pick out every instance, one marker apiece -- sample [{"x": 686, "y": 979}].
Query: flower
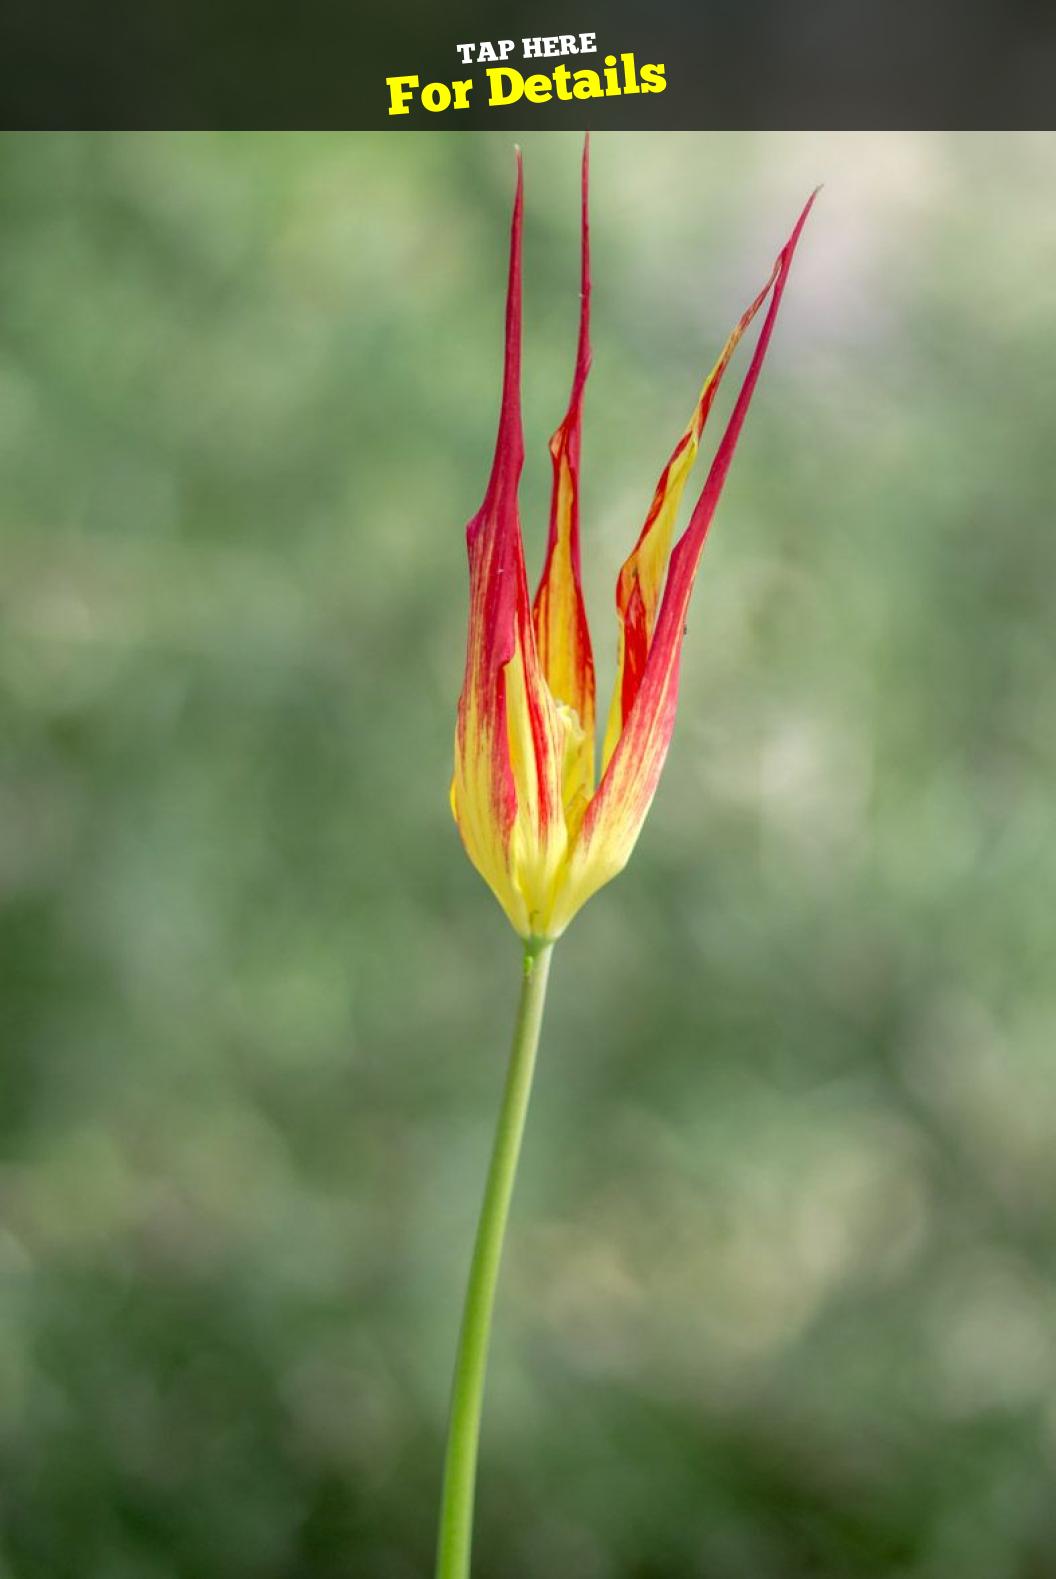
[{"x": 542, "y": 833}]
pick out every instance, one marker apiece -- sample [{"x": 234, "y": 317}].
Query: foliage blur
[{"x": 779, "y": 1298}]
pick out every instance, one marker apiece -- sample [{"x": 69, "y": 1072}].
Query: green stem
[{"x": 467, "y": 1393}]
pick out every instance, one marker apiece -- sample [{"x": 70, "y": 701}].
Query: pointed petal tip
[{"x": 801, "y": 221}]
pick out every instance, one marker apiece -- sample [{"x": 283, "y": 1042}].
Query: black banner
[{"x": 752, "y": 64}]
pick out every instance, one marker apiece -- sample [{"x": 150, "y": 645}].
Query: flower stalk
[
  {"x": 543, "y": 826},
  {"x": 467, "y": 1392}
]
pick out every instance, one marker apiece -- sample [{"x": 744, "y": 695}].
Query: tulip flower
[
  {"x": 541, "y": 832},
  {"x": 542, "y": 828}
]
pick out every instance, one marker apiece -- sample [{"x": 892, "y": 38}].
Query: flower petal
[
  {"x": 559, "y": 613},
  {"x": 615, "y": 816},
  {"x": 642, "y": 573},
  {"x": 509, "y": 739}
]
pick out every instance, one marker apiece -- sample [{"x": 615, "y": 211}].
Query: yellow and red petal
[
  {"x": 641, "y": 576},
  {"x": 615, "y": 815},
  {"x": 510, "y": 738},
  {"x": 559, "y": 614}
]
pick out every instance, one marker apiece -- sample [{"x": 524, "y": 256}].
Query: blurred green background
[{"x": 779, "y": 1298}]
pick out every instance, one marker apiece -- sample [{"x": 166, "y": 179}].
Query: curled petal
[
  {"x": 560, "y": 617},
  {"x": 642, "y": 574},
  {"x": 618, "y": 809}
]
